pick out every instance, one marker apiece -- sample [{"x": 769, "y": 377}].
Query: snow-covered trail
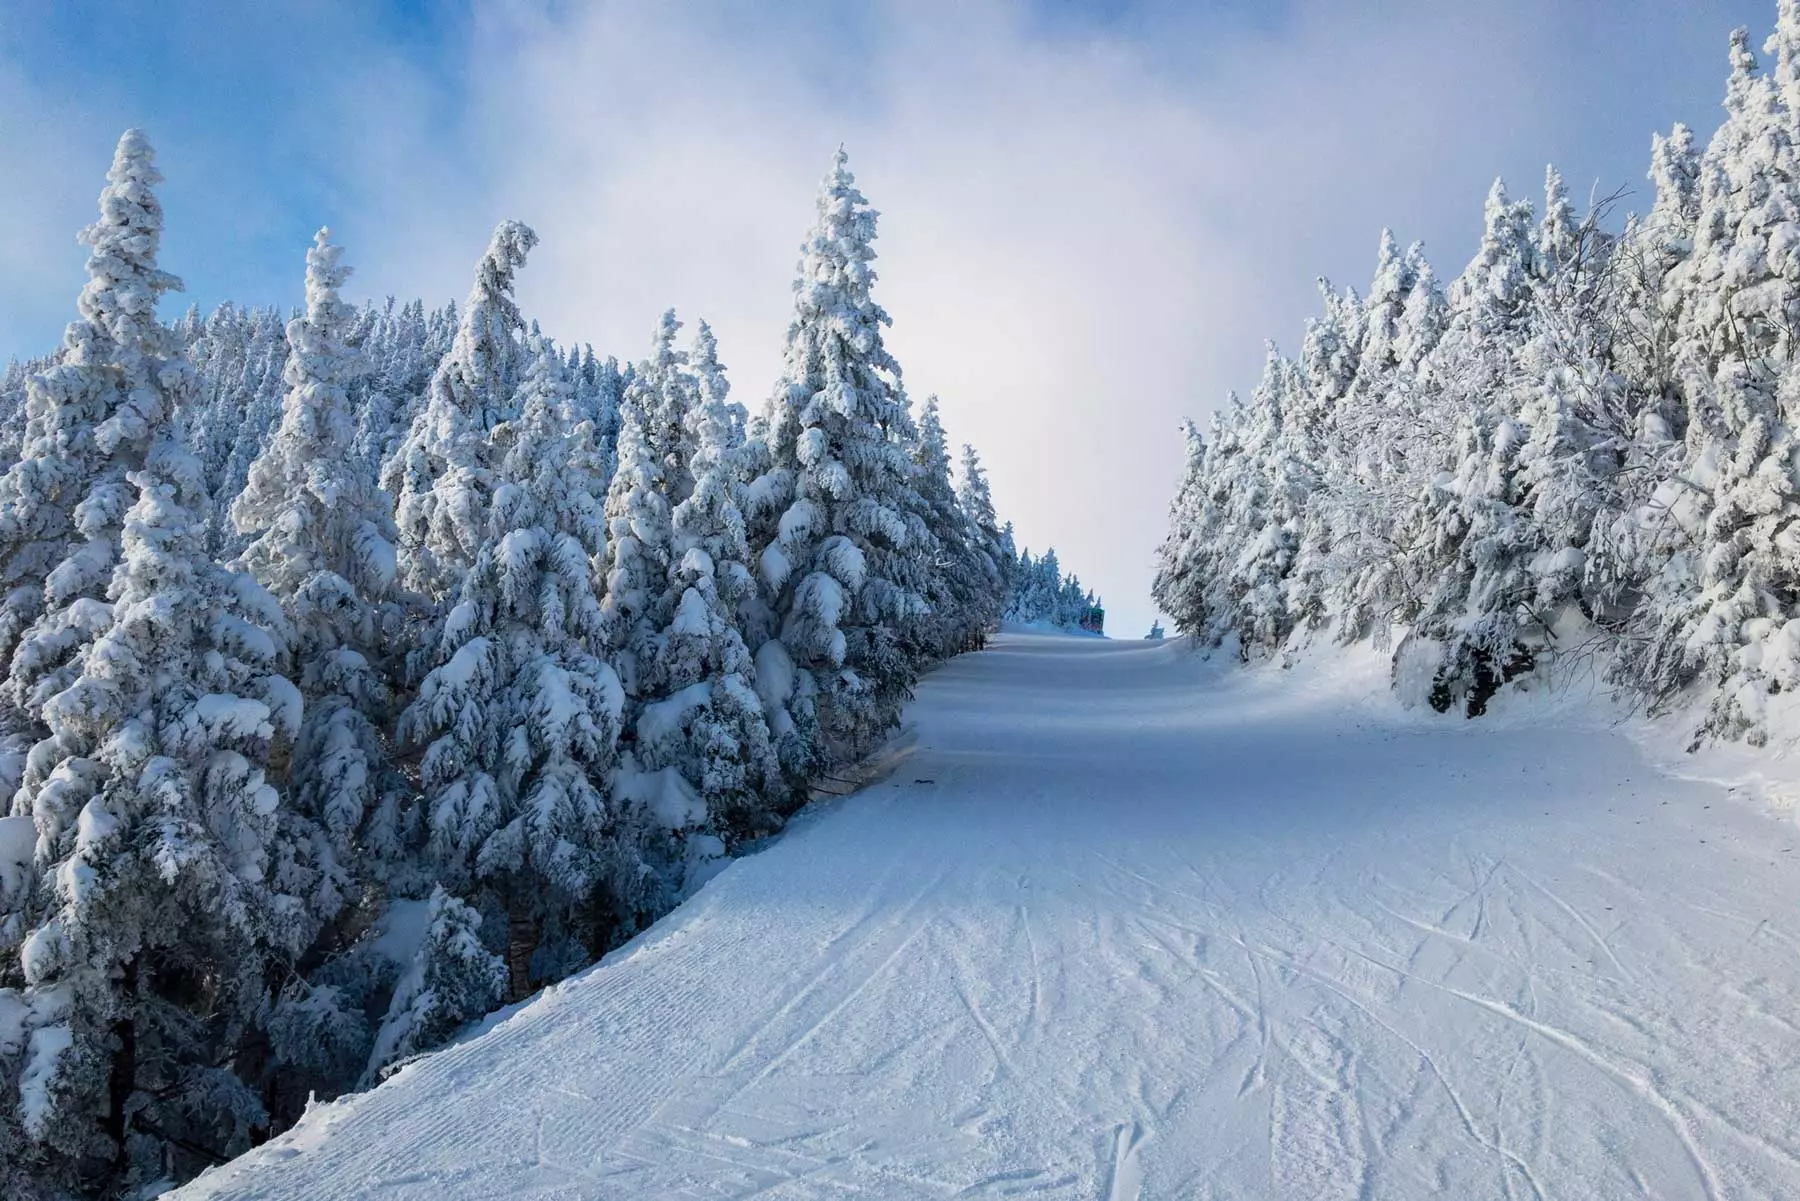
[{"x": 1124, "y": 926}]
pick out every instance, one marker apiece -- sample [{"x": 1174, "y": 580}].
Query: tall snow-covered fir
[
  {"x": 374, "y": 665},
  {"x": 838, "y": 542},
  {"x": 441, "y": 475},
  {"x": 90, "y": 420}
]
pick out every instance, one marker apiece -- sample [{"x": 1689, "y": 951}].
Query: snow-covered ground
[{"x": 1122, "y": 924}]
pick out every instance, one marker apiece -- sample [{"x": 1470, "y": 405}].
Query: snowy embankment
[{"x": 1124, "y": 923}]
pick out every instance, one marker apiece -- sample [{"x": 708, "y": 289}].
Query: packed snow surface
[{"x": 1125, "y": 924}]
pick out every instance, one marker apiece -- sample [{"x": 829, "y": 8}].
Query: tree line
[
  {"x": 372, "y": 668},
  {"x": 1581, "y": 453}
]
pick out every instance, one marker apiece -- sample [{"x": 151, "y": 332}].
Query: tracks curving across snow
[{"x": 1127, "y": 926}]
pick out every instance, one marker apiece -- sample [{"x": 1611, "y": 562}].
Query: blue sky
[{"x": 1094, "y": 213}]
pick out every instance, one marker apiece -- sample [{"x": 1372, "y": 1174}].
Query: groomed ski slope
[{"x": 1123, "y": 924}]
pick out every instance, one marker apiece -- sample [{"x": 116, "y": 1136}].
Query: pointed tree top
[
  {"x": 1196, "y": 445},
  {"x": 506, "y": 252},
  {"x": 124, "y": 282},
  {"x": 842, "y": 208},
  {"x": 662, "y": 342},
  {"x": 706, "y": 347},
  {"x": 325, "y": 274},
  {"x": 1743, "y": 59},
  {"x": 704, "y": 359},
  {"x": 1784, "y": 44}
]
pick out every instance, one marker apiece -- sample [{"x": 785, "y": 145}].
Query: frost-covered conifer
[
  {"x": 90, "y": 422},
  {"x": 959, "y": 580},
  {"x": 452, "y": 980},
  {"x": 1591, "y": 444},
  {"x": 833, "y": 529},
  {"x": 665, "y": 393},
  {"x": 441, "y": 477},
  {"x": 322, "y": 541},
  {"x": 519, "y": 717},
  {"x": 989, "y": 546},
  {"x": 640, "y": 529},
  {"x": 248, "y": 421},
  {"x": 701, "y": 727},
  {"x": 169, "y": 874}
]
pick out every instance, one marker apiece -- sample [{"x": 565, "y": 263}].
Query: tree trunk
[
  {"x": 521, "y": 941},
  {"x": 122, "y": 1081}
]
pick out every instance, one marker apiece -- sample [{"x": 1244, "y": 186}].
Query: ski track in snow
[{"x": 1126, "y": 925}]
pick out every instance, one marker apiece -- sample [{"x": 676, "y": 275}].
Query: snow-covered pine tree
[
  {"x": 664, "y": 391},
  {"x": 519, "y": 718},
  {"x": 1473, "y": 570},
  {"x": 640, "y": 529},
  {"x": 13, "y": 404},
  {"x": 452, "y": 980},
  {"x": 1314, "y": 439},
  {"x": 248, "y": 421},
  {"x": 832, "y": 516},
  {"x": 1379, "y": 432},
  {"x": 167, "y": 876},
  {"x": 701, "y": 730},
  {"x": 1719, "y": 607},
  {"x": 1596, "y": 430},
  {"x": 441, "y": 477},
  {"x": 990, "y": 545},
  {"x": 90, "y": 421},
  {"x": 321, "y": 539},
  {"x": 208, "y": 424},
  {"x": 1185, "y": 561},
  {"x": 1268, "y": 506},
  {"x": 956, "y": 579}
]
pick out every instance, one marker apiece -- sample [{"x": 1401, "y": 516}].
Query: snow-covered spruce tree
[
  {"x": 207, "y": 425},
  {"x": 1382, "y": 433},
  {"x": 1313, "y": 439},
  {"x": 90, "y": 421},
  {"x": 12, "y": 406},
  {"x": 248, "y": 420},
  {"x": 959, "y": 578},
  {"x": 1723, "y": 589},
  {"x": 452, "y": 980},
  {"x": 1592, "y": 443},
  {"x": 990, "y": 547},
  {"x": 701, "y": 730},
  {"x": 1266, "y": 508},
  {"x": 1472, "y": 566},
  {"x": 702, "y": 767},
  {"x": 1186, "y": 561},
  {"x": 665, "y": 393},
  {"x": 519, "y": 718},
  {"x": 407, "y": 345},
  {"x": 441, "y": 477},
  {"x": 640, "y": 530},
  {"x": 1037, "y": 583},
  {"x": 1634, "y": 545},
  {"x": 599, "y": 388},
  {"x": 322, "y": 541},
  {"x": 169, "y": 882},
  {"x": 832, "y": 520},
  {"x": 1041, "y": 595}
]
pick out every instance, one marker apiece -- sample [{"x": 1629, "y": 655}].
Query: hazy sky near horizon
[{"x": 1093, "y": 213}]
